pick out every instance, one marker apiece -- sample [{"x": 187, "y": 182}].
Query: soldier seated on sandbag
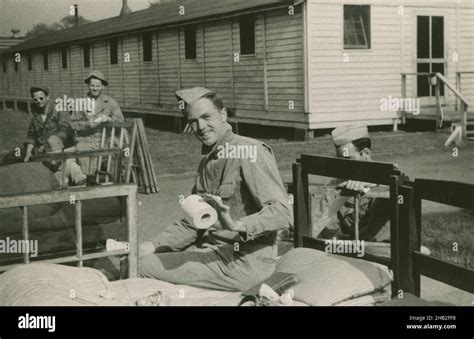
[
  {"x": 351, "y": 142},
  {"x": 240, "y": 249}
]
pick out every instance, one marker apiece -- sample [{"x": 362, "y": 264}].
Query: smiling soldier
[
  {"x": 86, "y": 125},
  {"x": 47, "y": 131},
  {"x": 240, "y": 250}
]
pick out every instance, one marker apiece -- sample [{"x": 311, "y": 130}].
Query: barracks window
[
  {"x": 247, "y": 34},
  {"x": 64, "y": 57},
  {"x": 4, "y": 65},
  {"x": 190, "y": 42},
  {"x": 86, "y": 54},
  {"x": 45, "y": 60},
  {"x": 356, "y": 27},
  {"x": 113, "y": 44},
  {"x": 30, "y": 62},
  {"x": 147, "y": 46}
]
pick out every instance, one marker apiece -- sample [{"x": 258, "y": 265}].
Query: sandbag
[
  {"x": 57, "y": 285},
  {"x": 24, "y": 178}
]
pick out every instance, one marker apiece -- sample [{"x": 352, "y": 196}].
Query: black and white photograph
[{"x": 214, "y": 154}]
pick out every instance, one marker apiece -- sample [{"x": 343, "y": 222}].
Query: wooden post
[
  {"x": 26, "y": 238},
  {"x": 407, "y": 241},
  {"x": 132, "y": 234},
  {"x": 300, "y": 206},
  {"x": 78, "y": 225},
  {"x": 265, "y": 75},
  {"x": 404, "y": 94},
  {"x": 439, "y": 109},
  {"x": 394, "y": 228},
  {"x": 458, "y": 87},
  {"x": 464, "y": 122},
  {"x": 356, "y": 216}
]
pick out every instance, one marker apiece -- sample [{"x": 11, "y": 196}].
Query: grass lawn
[{"x": 176, "y": 154}]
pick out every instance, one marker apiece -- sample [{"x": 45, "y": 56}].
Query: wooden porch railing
[{"x": 436, "y": 79}]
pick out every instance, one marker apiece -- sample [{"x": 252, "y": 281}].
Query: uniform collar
[
  {"x": 208, "y": 151},
  {"x": 102, "y": 97},
  {"x": 47, "y": 110}
]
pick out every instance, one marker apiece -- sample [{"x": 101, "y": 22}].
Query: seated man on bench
[
  {"x": 333, "y": 214},
  {"x": 240, "y": 250}
]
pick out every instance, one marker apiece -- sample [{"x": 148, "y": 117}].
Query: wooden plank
[
  {"x": 132, "y": 152},
  {"x": 150, "y": 160},
  {"x": 446, "y": 272},
  {"x": 302, "y": 225},
  {"x": 78, "y": 225},
  {"x": 374, "y": 172},
  {"x": 141, "y": 161},
  {"x": 446, "y": 192},
  {"x": 77, "y": 154},
  {"x": 320, "y": 245},
  {"x": 24, "y": 213},
  {"x": 83, "y": 193},
  {"x": 73, "y": 258},
  {"x": 132, "y": 224}
]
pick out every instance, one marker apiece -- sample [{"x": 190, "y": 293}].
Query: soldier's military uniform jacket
[
  {"x": 104, "y": 105},
  {"x": 253, "y": 190},
  {"x": 56, "y": 123},
  {"x": 374, "y": 216}
]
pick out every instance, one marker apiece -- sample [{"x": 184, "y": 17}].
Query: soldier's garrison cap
[
  {"x": 191, "y": 95},
  {"x": 345, "y": 134}
]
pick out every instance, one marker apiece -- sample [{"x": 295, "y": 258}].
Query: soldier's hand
[
  {"x": 357, "y": 186},
  {"x": 223, "y": 211},
  {"x": 146, "y": 248}
]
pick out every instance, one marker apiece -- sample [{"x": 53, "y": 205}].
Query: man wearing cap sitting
[
  {"x": 47, "y": 131},
  {"x": 240, "y": 249},
  {"x": 351, "y": 142},
  {"x": 86, "y": 125}
]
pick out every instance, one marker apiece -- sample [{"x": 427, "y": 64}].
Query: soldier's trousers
[{"x": 221, "y": 267}]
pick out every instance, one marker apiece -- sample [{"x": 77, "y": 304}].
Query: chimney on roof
[
  {"x": 76, "y": 14},
  {"x": 125, "y": 9}
]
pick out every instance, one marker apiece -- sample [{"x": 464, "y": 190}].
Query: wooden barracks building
[{"x": 303, "y": 64}]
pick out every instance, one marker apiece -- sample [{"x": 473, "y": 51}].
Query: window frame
[
  {"x": 30, "y": 61},
  {"x": 367, "y": 35},
  {"x": 254, "y": 19},
  {"x": 187, "y": 29},
  {"x": 113, "y": 57},
  {"x": 45, "y": 60},
  {"x": 86, "y": 46},
  {"x": 147, "y": 57},
  {"x": 64, "y": 57}
]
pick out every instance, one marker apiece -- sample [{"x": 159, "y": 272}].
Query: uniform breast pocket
[{"x": 227, "y": 192}]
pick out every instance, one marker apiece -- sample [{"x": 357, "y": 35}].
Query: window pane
[
  {"x": 30, "y": 62},
  {"x": 437, "y": 37},
  {"x": 356, "y": 26},
  {"x": 86, "y": 50},
  {"x": 190, "y": 42},
  {"x": 423, "y": 85},
  {"x": 147, "y": 46},
  {"x": 247, "y": 34},
  {"x": 113, "y": 51},
  {"x": 4, "y": 66},
  {"x": 438, "y": 68},
  {"x": 423, "y": 37},
  {"x": 64, "y": 57},
  {"x": 45, "y": 60}
]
